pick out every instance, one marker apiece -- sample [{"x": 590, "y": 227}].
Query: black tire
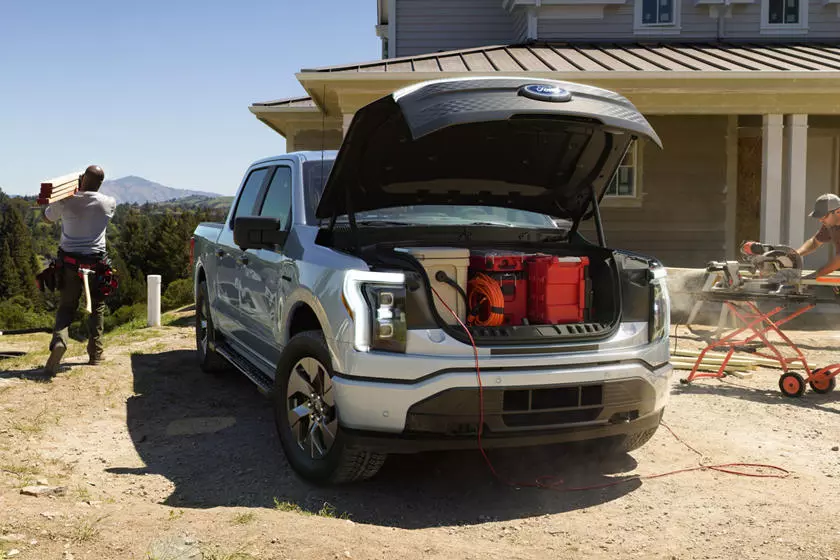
[
  {"x": 205, "y": 333},
  {"x": 341, "y": 463},
  {"x": 624, "y": 444},
  {"x": 792, "y": 384},
  {"x": 823, "y": 384}
]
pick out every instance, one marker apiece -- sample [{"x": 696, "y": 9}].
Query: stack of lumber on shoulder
[
  {"x": 56, "y": 189},
  {"x": 739, "y": 365}
]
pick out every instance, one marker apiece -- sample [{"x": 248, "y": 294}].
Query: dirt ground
[{"x": 163, "y": 462}]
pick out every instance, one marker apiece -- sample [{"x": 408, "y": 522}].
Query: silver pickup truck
[{"x": 427, "y": 283}]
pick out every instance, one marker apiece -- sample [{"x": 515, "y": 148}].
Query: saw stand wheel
[{"x": 792, "y": 384}]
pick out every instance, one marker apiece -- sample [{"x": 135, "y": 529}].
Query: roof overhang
[{"x": 657, "y": 78}]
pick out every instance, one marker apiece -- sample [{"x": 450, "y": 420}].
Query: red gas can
[
  {"x": 557, "y": 289},
  {"x": 509, "y": 271}
]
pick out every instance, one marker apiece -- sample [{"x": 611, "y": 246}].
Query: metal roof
[{"x": 614, "y": 57}]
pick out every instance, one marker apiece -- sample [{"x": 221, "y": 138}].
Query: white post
[
  {"x": 153, "y": 300},
  {"x": 771, "y": 180},
  {"x": 796, "y": 157}
]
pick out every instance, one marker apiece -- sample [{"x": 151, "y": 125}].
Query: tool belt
[{"x": 104, "y": 276}]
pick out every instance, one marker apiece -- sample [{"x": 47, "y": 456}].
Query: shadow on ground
[
  {"x": 213, "y": 436},
  {"x": 724, "y": 388}
]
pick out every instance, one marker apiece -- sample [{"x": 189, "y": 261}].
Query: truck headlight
[
  {"x": 659, "y": 324},
  {"x": 376, "y": 303}
]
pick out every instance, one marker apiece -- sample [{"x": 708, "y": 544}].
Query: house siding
[
  {"x": 425, "y": 26},
  {"x": 682, "y": 217},
  {"x": 745, "y": 22},
  {"x": 618, "y": 23}
]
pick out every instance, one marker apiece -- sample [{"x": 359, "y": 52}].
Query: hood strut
[{"x": 596, "y": 213}]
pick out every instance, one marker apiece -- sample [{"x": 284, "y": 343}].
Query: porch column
[
  {"x": 796, "y": 160},
  {"x": 771, "y": 179}
]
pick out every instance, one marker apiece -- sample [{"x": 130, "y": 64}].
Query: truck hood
[{"x": 530, "y": 144}]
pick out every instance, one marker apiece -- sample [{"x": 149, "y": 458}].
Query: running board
[{"x": 261, "y": 380}]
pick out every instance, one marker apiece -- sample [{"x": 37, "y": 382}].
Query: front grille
[
  {"x": 455, "y": 412},
  {"x": 552, "y": 406}
]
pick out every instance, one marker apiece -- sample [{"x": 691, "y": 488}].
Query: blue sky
[{"x": 159, "y": 88}]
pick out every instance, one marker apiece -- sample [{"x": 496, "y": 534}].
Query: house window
[
  {"x": 784, "y": 17},
  {"x": 783, "y": 11},
  {"x": 624, "y": 182},
  {"x": 657, "y": 12},
  {"x": 657, "y": 17}
]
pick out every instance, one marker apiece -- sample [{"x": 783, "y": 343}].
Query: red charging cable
[{"x": 553, "y": 483}]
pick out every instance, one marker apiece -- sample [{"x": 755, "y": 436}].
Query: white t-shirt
[{"x": 84, "y": 220}]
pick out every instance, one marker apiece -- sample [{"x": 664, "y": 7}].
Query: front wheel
[
  {"x": 205, "y": 333},
  {"x": 306, "y": 416}
]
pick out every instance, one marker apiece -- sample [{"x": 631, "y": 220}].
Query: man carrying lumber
[
  {"x": 84, "y": 220},
  {"x": 827, "y": 211}
]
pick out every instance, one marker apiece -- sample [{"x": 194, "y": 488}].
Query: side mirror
[{"x": 257, "y": 232}]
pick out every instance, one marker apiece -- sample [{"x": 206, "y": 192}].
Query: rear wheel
[
  {"x": 822, "y": 383},
  {"x": 306, "y": 416},
  {"x": 792, "y": 384},
  {"x": 205, "y": 333}
]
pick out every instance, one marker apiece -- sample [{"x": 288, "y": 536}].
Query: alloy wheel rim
[{"x": 310, "y": 407}]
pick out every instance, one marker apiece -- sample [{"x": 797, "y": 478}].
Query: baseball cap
[{"x": 825, "y": 204}]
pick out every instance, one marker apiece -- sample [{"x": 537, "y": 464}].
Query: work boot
[
  {"x": 54, "y": 360},
  {"x": 96, "y": 359}
]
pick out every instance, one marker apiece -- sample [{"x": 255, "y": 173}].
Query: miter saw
[{"x": 764, "y": 269}]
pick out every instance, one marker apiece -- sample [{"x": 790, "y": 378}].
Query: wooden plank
[
  {"x": 63, "y": 179},
  {"x": 58, "y": 188}
]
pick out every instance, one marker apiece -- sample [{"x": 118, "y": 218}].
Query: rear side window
[
  {"x": 278, "y": 197},
  {"x": 248, "y": 198}
]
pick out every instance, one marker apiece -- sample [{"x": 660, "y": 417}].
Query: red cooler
[
  {"x": 509, "y": 271},
  {"x": 557, "y": 288}
]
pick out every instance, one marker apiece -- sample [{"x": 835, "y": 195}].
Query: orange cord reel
[{"x": 486, "y": 302}]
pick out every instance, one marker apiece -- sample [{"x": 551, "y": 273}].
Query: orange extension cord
[
  {"x": 553, "y": 483},
  {"x": 484, "y": 291}
]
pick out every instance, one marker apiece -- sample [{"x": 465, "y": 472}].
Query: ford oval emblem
[{"x": 546, "y": 92}]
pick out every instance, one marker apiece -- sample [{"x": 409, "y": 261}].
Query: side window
[
  {"x": 278, "y": 197},
  {"x": 245, "y": 205}
]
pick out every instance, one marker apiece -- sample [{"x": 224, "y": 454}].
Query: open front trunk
[
  {"x": 456, "y": 183},
  {"x": 508, "y": 294}
]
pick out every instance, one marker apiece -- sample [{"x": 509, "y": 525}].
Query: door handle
[
  {"x": 220, "y": 253},
  {"x": 243, "y": 259}
]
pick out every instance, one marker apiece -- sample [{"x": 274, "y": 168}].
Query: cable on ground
[{"x": 554, "y": 483}]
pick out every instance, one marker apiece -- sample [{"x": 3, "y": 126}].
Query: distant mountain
[{"x": 133, "y": 189}]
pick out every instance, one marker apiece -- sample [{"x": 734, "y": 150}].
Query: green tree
[
  {"x": 16, "y": 235},
  {"x": 8, "y": 278}
]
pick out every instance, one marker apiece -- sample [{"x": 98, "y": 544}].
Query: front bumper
[
  {"x": 563, "y": 402},
  {"x": 416, "y": 443}
]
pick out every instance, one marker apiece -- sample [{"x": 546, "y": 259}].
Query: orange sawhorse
[{"x": 759, "y": 324}]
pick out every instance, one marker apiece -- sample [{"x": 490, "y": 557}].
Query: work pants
[{"x": 71, "y": 290}]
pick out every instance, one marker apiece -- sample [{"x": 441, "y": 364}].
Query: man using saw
[
  {"x": 81, "y": 254},
  {"x": 827, "y": 211}
]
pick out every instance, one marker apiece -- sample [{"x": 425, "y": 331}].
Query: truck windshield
[{"x": 315, "y": 175}]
